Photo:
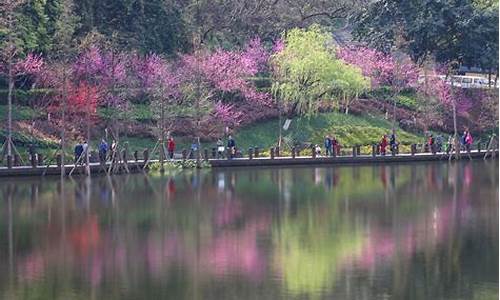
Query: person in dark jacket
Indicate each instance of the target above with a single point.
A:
(393, 144)
(328, 146)
(103, 150)
(78, 151)
(231, 146)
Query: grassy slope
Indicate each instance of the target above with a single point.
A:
(348, 129)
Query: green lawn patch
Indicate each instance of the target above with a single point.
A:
(19, 113)
(348, 129)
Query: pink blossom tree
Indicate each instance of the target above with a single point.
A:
(392, 70)
(157, 79)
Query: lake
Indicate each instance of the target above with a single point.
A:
(410, 231)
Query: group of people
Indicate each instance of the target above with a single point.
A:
(331, 144)
(81, 149)
(231, 148)
(391, 142)
(436, 144)
(105, 152)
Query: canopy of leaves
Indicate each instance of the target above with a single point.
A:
(450, 31)
(307, 71)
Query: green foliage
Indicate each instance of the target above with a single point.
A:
(146, 26)
(180, 164)
(307, 71)
(349, 130)
(138, 112)
(18, 113)
(407, 100)
(450, 31)
(22, 139)
(24, 97)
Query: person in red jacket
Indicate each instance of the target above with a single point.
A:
(171, 147)
(383, 144)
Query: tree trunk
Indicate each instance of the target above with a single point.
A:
(9, 109)
(394, 111)
(162, 136)
(455, 128)
(63, 122)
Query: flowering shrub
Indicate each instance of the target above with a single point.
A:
(383, 69)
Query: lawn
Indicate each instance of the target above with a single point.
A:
(348, 129)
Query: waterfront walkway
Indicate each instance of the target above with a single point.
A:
(138, 166)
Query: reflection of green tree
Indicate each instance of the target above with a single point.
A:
(309, 250)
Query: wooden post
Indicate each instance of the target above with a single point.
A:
(293, 152)
(374, 150)
(145, 154)
(358, 150)
(59, 160)
(277, 151)
(354, 151)
(413, 149)
(9, 161)
(136, 155)
(271, 153)
(40, 159)
(256, 152)
(250, 153)
(313, 151)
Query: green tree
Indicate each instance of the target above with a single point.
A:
(307, 74)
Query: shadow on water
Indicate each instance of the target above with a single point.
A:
(415, 231)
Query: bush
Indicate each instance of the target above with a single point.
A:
(24, 97)
(18, 113)
(180, 164)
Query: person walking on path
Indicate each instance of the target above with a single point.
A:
(463, 140)
(231, 146)
(194, 149)
(78, 151)
(383, 144)
(450, 144)
(103, 150)
(220, 148)
(170, 147)
(439, 143)
(328, 146)
(335, 146)
(393, 144)
(468, 141)
(430, 143)
(32, 151)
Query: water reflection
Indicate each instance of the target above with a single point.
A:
(425, 231)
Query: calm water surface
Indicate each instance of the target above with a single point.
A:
(427, 231)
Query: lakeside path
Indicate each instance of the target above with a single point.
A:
(137, 166)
